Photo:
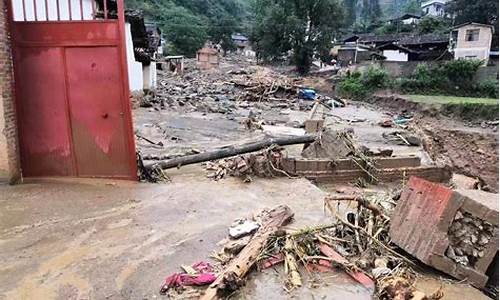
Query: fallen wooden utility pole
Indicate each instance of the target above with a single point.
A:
(230, 151)
(230, 278)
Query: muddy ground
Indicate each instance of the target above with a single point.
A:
(466, 147)
(97, 239)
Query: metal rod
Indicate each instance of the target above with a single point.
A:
(46, 10)
(24, 11)
(58, 11)
(34, 8)
(105, 9)
(69, 10)
(81, 10)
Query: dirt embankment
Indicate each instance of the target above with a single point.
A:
(467, 112)
(468, 152)
(463, 146)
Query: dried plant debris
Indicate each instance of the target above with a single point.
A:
(341, 144)
(469, 237)
(155, 175)
(357, 244)
(266, 163)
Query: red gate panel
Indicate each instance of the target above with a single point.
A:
(72, 91)
(97, 114)
(45, 137)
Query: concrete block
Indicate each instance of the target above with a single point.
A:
(313, 126)
(443, 263)
(475, 278)
(421, 223)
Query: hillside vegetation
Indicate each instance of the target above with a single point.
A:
(187, 24)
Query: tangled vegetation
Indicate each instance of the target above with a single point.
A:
(359, 85)
(455, 78)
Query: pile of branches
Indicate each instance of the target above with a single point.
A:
(359, 245)
(265, 163)
(267, 87)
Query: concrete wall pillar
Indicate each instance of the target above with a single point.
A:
(10, 167)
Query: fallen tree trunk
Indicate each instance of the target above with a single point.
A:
(230, 151)
(230, 278)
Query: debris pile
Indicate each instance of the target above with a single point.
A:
(402, 138)
(154, 174)
(358, 245)
(225, 92)
(265, 163)
(264, 86)
(468, 236)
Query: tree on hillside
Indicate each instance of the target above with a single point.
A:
(430, 24)
(305, 27)
(220, 31)
(480, 11)
(371, 12)
(187, 24)
(350, 12)
(185, 32)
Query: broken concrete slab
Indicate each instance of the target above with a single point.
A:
(424, 224)
(332, 144)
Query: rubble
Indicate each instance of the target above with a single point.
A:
(469, 236)
(242, 227)
(456, 233)
(360, 247)
(266, 163)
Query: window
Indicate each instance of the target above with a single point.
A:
(470, 57)
(472, 35)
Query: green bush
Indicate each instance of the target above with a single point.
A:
(358, 85)
(488, 88)
(353, 87)
(376, 78)
(471, 111)
(450, 78)
(454, 78)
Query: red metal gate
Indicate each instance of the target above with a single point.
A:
(71, 84)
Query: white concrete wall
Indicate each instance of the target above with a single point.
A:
(411, 21)
(395, 55)
(135, 76)
(150, 76)
(41, 12)
(479, 49)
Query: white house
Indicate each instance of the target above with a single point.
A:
(472, 41)
(143, 48)
(406, 19)
(434, 8)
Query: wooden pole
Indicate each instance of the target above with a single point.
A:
(230, 151)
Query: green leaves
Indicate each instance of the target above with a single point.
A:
(306, 28)
(188, 24)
